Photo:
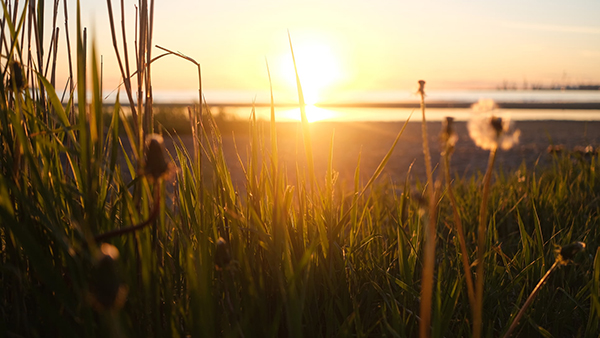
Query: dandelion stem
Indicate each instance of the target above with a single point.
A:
(530, 299)
(429, 259)
(460, 232)
(153, 215)
(481, 239)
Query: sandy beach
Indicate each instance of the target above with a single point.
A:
(372, 140)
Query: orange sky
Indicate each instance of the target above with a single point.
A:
(363, 45)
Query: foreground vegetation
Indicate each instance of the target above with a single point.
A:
(97, 240)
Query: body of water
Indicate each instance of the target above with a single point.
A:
(399, 105)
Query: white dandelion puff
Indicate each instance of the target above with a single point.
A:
(489, 131)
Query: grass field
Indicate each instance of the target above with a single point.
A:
(93, 244)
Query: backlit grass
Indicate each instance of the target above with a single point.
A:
(291, 254)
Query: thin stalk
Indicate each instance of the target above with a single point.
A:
(304, 121)
(481, 239)
(153, 215)
(124, 73)
(70, 80)
(148, 114)
(430, 234)
(460, 232)
(196, 118)
(530, 299)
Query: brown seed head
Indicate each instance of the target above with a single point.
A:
(567, 252)
(421, 89)
(222, 256)
(107, 292)
(156, 165)
(17, 76)
(449, 137)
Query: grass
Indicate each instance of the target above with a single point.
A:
(282, 257)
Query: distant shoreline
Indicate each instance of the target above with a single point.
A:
(434, 104)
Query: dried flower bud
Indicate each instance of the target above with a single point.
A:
(156, 166)
(17, 76)
(422, 203)
(555, 149)
(421, 90)
(222, 256)
(107, 290)
(449, 136)
(567, 252)
(584, 151)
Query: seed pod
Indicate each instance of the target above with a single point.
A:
(156, 166)
(107, 290)
(17, 76)
(449, 136)
(222, 256)
(421, 90)
(567, 252)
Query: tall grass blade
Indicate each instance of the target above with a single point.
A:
(304, 121)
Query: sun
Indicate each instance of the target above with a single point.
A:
(318, 69)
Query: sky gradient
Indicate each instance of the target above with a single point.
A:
(345, 46)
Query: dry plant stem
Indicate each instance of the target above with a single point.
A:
(460, 232)
(430, 234)
(70, 61)
(481, 239)
(196, 118)
(148, 80)
(153, 215)
(124, 73)
(530, 299)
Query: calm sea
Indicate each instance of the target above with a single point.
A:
(231, 104)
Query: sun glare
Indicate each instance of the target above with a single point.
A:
(318, 68)
(313, 114)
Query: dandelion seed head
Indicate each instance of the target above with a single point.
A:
(484, 106)
(489, 131)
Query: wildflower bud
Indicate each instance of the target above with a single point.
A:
(449, 136)
(584, 151)
(156, 165)
(107, 291)
(222, 256)
(421, 89)
(555, 149)
(567, 252)
(422, 203)
(17, 76)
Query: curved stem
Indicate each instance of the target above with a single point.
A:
(151, 218)
(529, 300)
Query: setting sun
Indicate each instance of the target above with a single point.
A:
(318, 69)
